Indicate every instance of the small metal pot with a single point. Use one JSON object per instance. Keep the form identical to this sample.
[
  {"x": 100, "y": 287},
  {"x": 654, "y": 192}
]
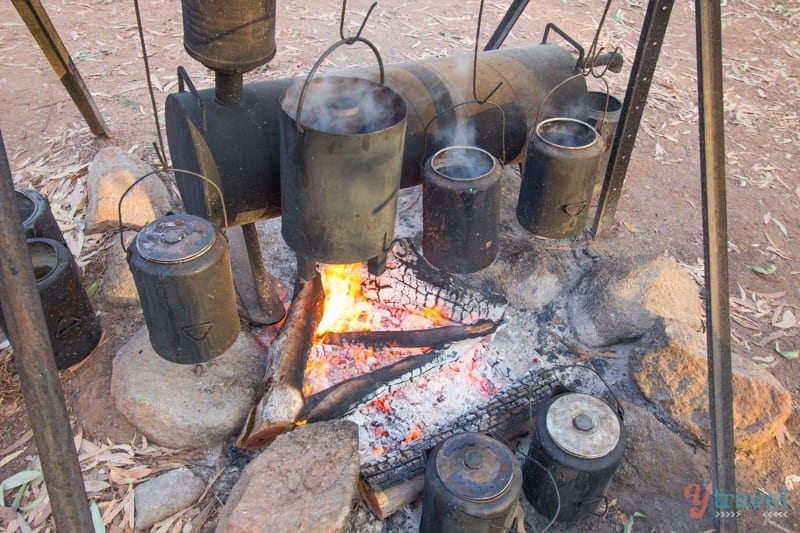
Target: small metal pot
[
  {"x": 182, "y": 270},
  {"x": 72, "y": 325},
  {"x": 37, "y": 218},
  {"x": 461, "y": 188},
  {"x": 558, "y": 177},
  {"x": 472, "y": 484},
  {"x": 602, "y": 113},
  {"x": 579, "y": 440}
]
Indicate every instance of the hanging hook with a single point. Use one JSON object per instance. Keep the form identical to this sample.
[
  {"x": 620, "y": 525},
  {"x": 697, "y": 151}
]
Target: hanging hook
[
  {"x": 351, "y": 40},
  {"x": 475, "y": 63}
]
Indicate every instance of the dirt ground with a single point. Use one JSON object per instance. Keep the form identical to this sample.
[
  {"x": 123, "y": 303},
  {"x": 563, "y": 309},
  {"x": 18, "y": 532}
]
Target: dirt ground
[{"x": 50, "y": 146}]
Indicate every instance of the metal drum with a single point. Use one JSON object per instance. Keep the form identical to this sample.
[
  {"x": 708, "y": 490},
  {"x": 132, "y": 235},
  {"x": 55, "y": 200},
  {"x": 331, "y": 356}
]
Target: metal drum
[
  {"x": 340, "y": 170},
  {"x": 602, "y": 113},
  {"x": 558, "y": 178},
  {"x": 182, "y": 270},
  {"x": 37, "y": 218},
  {"x": 472, "y": 484},
  {"x": 580, "y": 440},
  {"x": 72, "y": 325},
  {"x": 229, "y": 35},
  {"x": 461, "y": 188}
]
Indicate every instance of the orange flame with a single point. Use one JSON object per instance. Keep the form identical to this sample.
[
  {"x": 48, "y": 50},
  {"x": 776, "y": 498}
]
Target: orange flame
[{"x": 346, "y": 307}]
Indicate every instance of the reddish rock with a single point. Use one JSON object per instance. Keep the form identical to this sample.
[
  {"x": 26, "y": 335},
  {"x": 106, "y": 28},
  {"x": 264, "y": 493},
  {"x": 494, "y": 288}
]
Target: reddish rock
[{"x": 305, "y": 481}]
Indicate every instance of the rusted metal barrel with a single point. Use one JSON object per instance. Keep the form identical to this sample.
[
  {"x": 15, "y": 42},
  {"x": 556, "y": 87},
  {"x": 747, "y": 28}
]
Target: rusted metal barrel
[
  {"x": 558, "y": 177},
  {"x": 182, "y": 270},
  {"x": 461, "y": 188},
  {"x": 229, "y": 35}
]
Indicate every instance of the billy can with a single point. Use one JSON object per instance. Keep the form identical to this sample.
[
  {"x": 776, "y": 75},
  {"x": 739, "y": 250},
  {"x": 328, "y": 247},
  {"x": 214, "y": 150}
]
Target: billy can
[
  {"x": 602, "y": 113},
  {"x": 181, "y": 267},
  {"x": 37, "y": 218},
  {"x": 461, "y": 188},
  {"x": 579, "y": 440},
  {"x": 472, "y": 484},
  {"x": 72, "y": 325},
  {"x": 558, "y": 177}
]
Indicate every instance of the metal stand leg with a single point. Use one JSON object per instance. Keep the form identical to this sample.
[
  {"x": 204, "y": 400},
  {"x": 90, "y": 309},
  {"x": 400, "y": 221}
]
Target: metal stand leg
[
  {"x": 36, "y": 367},
  {"x": 266, "y": 285},
  {"x": 715, "y": 241}
]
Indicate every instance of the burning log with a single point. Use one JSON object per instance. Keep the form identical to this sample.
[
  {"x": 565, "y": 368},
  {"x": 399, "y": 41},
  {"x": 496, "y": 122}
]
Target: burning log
[
  {"x": 340, "y": 399},
  {"x": 282, "y": 402},
  {"x": 418, "y": 338}
]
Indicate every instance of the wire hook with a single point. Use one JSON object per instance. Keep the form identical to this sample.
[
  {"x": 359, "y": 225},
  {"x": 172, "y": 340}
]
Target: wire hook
[{"x": 351, "y": 40}]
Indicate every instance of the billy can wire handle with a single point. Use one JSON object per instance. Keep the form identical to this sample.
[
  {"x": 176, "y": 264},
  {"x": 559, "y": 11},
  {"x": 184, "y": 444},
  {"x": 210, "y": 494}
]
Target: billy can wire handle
[
  {"x": 620, "y": 410},
  {"x": 132, "y": 185},
  {"x": 345, "y": 40}
]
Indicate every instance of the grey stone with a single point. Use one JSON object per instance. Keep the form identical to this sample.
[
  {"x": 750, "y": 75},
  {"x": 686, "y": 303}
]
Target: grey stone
[
  {"x": 118, "y": 285},
  {"x": 187, "y": 406},
  {"x": 673, "y": 374},
  {"x": 165, "y": 495},
  {"x": 111, "y": 172},
  {"x": 305, "y": 481},
  {"x": 656, "y": 472},
  {"x": 620, "y": 300}
]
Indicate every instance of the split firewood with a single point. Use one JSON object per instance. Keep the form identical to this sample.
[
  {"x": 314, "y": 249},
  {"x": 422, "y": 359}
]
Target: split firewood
[
  {"x": 386, "y": 502},
  {"x": 416, "y": 338},
  {"x": 340, "y": 399},
  {"x": 282, "y": 402}
]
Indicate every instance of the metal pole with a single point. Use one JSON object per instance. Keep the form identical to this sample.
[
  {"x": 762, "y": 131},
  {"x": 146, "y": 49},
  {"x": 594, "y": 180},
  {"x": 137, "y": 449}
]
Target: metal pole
[
  {"x": 36, "y": 367},
  {"x": 504, "y": 28},
  {"x": 269, "y": 302},
  {"x": 715, "y": 240},
  {"x": 644, "y": 65}
]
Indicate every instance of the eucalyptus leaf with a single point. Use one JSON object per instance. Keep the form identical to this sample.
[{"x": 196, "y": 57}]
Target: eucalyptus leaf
[
  {"x": 20, "y": 478},
  {"x": 94, "y": 287},
  {"x": 790, "y": 355},
  {"x": 97, "y": 520},
  {"x": 629, "y": 523},
  {"x": 766, "y": 271},
  {"x": 27, "y": 508}
]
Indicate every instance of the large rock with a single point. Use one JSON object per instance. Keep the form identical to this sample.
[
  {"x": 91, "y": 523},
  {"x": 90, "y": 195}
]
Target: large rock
[
  {"x": 165, "y": 495},
  {"x": 654, "y": 474},
  {"x": 118, "y": 285},
  {"x": 111, "y": 172},
  {"x": 186, "y": 406},
  {"x": 305, "y": 481},
  {"x": 620, "y": 300},
  {"x": 673, "y": 374}
]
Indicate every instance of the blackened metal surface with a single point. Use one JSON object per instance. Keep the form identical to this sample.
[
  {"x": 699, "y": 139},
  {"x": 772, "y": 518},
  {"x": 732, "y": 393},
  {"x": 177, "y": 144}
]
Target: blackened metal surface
[
  {"x": 715, "y": 245},
  {"x": 461, "y": 188},
  {"x": 72, "y": 326},
  {"x": 37, "y": 218},
  {"x": 602, "y": 113},
  {"x": 580, "y": 483},
  {"x": 644, "y": 65},
  {"x": 189, "y": 307},
  {"x": 239, "y": 148},
  {"x": 558, "y": 177},
  {"x": 472, "y": 483},
  {"x": 229, "y": 35},
  {"x": 340, "y": 178},
  {"x": 33, "y": 356},
  {"x": 266, "y": 285}
]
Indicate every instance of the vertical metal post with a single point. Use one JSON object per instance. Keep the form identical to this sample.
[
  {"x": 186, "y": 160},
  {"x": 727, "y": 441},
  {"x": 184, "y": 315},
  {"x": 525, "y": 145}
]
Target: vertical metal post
[
  {"x": 36, "y": 367},
  {"x": 644, "y": 65},
  {"x": 269, "y": 302},
  {"x": 708, "y": 23}
]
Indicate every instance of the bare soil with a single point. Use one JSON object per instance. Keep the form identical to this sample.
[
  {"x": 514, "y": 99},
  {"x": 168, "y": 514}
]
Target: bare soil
[{"x": 660, "y": 212}]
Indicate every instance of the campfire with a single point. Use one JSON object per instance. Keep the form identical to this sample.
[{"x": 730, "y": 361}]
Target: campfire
[{"x": 406, "y": 355}]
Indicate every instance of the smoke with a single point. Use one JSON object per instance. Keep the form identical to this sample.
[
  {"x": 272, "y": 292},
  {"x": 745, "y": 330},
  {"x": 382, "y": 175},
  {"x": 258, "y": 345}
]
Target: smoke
[
  {"x": 335, "y": 104},
  {"x": 462, "y": 163}
]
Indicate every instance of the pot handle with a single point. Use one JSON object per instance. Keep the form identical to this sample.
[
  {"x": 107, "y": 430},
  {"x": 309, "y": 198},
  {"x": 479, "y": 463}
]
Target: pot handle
[
  {"x": 132, "y": 185},
  {"x": 620, "y": 410}
]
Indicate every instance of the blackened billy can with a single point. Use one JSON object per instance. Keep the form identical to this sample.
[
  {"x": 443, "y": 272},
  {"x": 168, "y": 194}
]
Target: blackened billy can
[
  {"x": 579, "y": 440},
  {"x": 37, "y": 218},
  {"x": 182, "y": 270},
  {"x": 558, "y": 177},
  {"x": 461, "y": 188},
  {"x": 472, "y": 484},
  {"x": 602, "y": 113},
  {"x": 72, "y": 325}
]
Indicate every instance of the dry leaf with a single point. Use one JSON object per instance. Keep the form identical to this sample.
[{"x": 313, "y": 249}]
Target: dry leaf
[
  {"x": 787, "y": 321},
  {"x": 791, "y": 480}
]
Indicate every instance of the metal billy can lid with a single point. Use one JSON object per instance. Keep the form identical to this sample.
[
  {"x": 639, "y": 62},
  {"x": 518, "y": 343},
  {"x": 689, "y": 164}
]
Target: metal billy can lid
[
  {"x": 175, "y": 239},
  {"x": 475, "y": 467},
  {"x": 582, "y": 425}
]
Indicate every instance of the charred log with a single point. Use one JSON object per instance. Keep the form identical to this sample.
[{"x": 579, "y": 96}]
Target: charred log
[
  {"x": 282, "y": 402},
  {"x": 340, "y": 399},
  {"x": 417, "y": 338}
]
